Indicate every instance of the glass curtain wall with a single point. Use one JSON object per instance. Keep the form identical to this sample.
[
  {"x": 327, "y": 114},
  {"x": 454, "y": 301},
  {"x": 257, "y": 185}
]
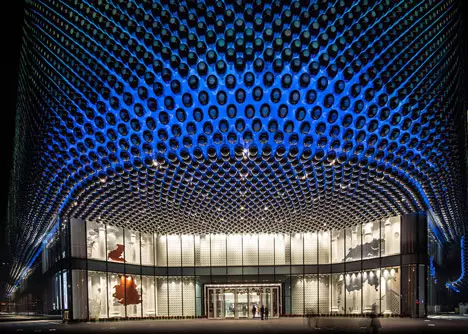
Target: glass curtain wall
[
  {"x": 390, "y": 235},
  {"x": 119, "y": 295},
  {"x": 97, "y": 295},
  {"x": 359, "y": 292},
  {"x": 390, "y": 290},
  {"x": 337, "y": 289},
  {"x": 371, "y": 240},
  {"x": 115, "y": 295},
  {"x": 364, "y": 241},
  {"x": 371, "y": 291},
  {"x": 96, "y": 240},
  {"x": 353, "y": 286}
]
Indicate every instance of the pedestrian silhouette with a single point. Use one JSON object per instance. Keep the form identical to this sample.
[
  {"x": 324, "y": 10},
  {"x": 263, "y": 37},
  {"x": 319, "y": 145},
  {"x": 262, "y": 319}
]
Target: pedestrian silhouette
[
  {"x": 262, "y": 312},
  {"x": 266, "y": 313},
  {"x": 375, "y": 323}
]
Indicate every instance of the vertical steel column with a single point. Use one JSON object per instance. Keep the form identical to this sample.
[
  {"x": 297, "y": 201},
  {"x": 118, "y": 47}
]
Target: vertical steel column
[
  {"x": 125, "y": 271},
  {"x": 107, "y": 274},
  {"x": 86, "y": 259},
  {"x": 303, "y": 275},
  {"x": 167, "y": 274},
  {"x": 182, "y": 275},
  {"x": 141, "y": 281},
  {"x": 344, "y": 271},
  {"x": 360, "y": 271}
]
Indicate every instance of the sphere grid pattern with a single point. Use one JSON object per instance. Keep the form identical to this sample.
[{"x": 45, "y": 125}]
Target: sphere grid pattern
[{"x": 237, "y": 116}]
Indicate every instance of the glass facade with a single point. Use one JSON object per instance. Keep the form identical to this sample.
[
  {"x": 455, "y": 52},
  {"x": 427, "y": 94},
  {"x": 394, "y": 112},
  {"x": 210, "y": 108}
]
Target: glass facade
[
  {"x": 116, "y": 295},
  {"x": 141, "y": 275},
  {"x": 366, "y": 241}
]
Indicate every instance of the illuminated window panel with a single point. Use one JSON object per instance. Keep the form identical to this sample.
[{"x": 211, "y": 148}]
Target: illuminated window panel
[
  {"x": 337, "y": 287},
  {"x": 116, "y": 295},
  {"x": 147, "y": 249},
  {"x": 282, "y": 249},
  {"x": 297, "y": 295},
  {"x": 324, "y": 247},
  {"x": 97, "y": 295},
  {"x": 337, "y": 246},
  {"x": 133, "y": 296},
  {"x": 234, "y": 250},
  {"x": 390, "y": 290},
  {"x": 174, "y": 251},
  {"x": 148, "y": 295},
  {"x": 115, "y": 244},
  {"x": 310, "y": 248},
  {"x": 250, "y": 250},
  {"x": 96, "y": 240},
  {"x": 132, "y": 246},
  {"x": 189, "y": 296},
  {"x": 218, "y": 250},
  {"x": 266, "y": 249},
  {"x": 353, "y": 243},
  {"x": 188, "y": 250},
  {"x": 390, "y": 230},
  {"x": 311, "y": 295},
  {"x": 175, "y": 296},
  {"x": 324, "y": 294},
  {"x": 353, "y": 284},
  {"x": 204, "y": 254},
  {"x": 161, "y": 250},
  {"x": 371, "y": 240},
  {"x": 297, "y": 249},
  {"x": 371, "y": 287},
  {"x": 162, "y": 297}
]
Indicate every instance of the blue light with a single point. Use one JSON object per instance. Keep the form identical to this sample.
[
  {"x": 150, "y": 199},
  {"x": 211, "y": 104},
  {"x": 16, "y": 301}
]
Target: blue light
[
  {"x": 44, "y": 243},
  {"x": 432, "y": 270},
  {"x": 173, "y": 115},
  {"x": 452, "y": 285}
]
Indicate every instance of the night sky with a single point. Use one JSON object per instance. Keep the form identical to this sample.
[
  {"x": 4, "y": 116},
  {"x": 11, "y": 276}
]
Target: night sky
[{"x": 11, "y": 39}]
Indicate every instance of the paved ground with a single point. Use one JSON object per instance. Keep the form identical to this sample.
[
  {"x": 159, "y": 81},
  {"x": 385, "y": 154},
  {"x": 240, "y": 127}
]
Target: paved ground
[
  {"x": 24, "y": 317},
  {"x": 284, "y": 325}
]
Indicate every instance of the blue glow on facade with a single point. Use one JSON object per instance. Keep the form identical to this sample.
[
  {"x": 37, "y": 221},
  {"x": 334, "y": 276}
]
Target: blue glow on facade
[
  {"x": 432, "y": 270},
  {"x": 453, "y": 285},
  {"x": 185, "y": 117},
  {"x": 25, "y": 271}
]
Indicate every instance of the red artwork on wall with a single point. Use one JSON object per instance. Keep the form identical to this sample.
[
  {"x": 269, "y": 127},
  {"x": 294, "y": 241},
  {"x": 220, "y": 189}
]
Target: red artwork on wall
[
  {"x": 131, "y": 296},
  {"x": 116, "y": 254}
]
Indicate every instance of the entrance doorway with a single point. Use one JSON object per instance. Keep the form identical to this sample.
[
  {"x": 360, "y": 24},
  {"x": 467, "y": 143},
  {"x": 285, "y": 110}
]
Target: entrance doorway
[{"x": 238, "y": 301}]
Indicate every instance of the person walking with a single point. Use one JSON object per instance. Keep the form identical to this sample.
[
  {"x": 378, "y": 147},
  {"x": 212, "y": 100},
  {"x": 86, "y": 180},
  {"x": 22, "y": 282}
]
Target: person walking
[
  {"x": 262, "y": 312},
  {"x": 375, "y": 323},
  {"x": 266, "y": 313},
  {"x": 254, "y": 310}
]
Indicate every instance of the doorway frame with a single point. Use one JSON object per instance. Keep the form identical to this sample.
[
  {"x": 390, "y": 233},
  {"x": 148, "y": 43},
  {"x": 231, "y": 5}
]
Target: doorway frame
[{"x": 206, "y": 287}]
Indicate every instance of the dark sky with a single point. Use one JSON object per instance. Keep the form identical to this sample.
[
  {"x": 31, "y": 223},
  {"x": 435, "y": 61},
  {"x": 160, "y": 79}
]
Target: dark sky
[{"x": 11, "y": 38}]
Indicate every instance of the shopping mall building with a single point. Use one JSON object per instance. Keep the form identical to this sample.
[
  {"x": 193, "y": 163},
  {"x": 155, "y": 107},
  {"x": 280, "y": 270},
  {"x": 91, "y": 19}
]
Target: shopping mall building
[{"x": 202, "y": 159}]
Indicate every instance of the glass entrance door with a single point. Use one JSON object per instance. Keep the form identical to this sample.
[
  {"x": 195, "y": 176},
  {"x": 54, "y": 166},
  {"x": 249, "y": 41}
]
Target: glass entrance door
[
  {"x": 255, "y": 302},
  {"x": 242, "y": 300},
  {"x": 230, "y": 308},
  {"x": 242, "y": 303}
]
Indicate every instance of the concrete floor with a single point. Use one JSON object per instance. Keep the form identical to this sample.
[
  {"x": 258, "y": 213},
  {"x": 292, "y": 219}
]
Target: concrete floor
[{"x": 282, "y": 325}]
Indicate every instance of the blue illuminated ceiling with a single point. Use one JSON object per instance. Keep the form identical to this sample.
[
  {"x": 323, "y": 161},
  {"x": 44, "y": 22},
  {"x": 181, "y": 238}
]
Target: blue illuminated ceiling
[{"x": 237, "y": 116}]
